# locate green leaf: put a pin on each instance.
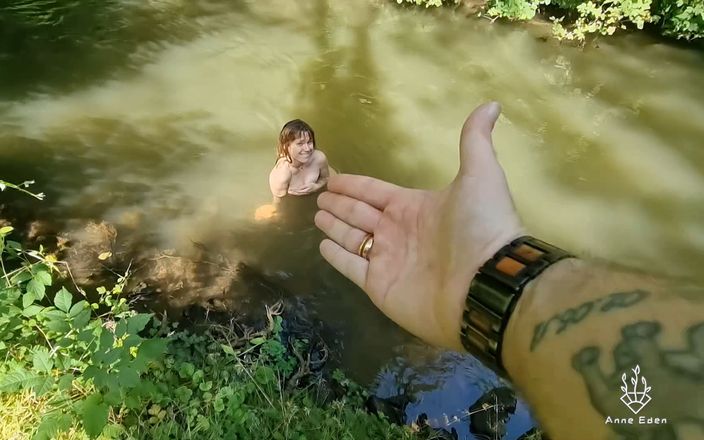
(106, 341)
(136, 323)
(52, 425)
(32, 310)
(43, 385)
(58, 325)
(17, 379)
(65, 382)
(113, 397)
(51, 314)
(186, 370)
(228, 349)
(63, 299)
(21, 277)
(257, 341)
(120, 328)
(81, 320)
(42, 360)
(150, 350)
(94, 414)
(128, 377)
(6, 230)
(43, 277)
(99, 376)
(78, 308)
(36, 288)
(28, 299)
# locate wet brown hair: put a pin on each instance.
(289, 133)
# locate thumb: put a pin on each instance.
(476, 146)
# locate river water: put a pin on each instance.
(161, 118)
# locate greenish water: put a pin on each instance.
(161, 118)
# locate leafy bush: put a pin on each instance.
(86, 365)
(678, 18)
(428, 3)
(88, 355)
(603, 18)
(681, 18)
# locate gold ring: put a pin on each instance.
(366, 246)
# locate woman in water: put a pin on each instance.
(300, 168)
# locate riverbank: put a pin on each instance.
(575, 20)
(77, 367)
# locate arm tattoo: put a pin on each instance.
(561, 321)
(670, 383)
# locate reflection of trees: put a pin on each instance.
(50, 43)
(341, 96)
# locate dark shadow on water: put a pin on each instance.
(61, 45)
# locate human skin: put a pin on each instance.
(306, 173)
(575, 321)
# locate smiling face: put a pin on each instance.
(301, 149)
(296, 142)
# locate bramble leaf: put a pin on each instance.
(128, 377)
(63, 300)
(42, 361)
(136, 323)
(43, 277)
(36, 288)
(94, 414)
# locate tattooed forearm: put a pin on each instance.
(653, 393)
(561, 321)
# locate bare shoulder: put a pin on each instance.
(280, 170)
(320, 157)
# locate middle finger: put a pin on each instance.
(351, 211)
(349, 237)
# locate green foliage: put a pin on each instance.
(111, 372)
(677, 18)
(21, 187)
(681, 18)
(514, 9)
(604, 18)
(90, 362)
(429, 3)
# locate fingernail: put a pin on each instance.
(494, 108)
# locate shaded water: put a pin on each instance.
(161, 117)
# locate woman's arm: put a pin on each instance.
(279, 180)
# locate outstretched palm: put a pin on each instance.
(427, 244)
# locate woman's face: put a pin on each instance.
(301, 149)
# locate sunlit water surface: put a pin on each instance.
(166, 124)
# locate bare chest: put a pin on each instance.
(305, 176)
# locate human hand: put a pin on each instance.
(307, 188)
(302, 190)
(428, 245)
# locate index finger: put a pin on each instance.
(367, 189)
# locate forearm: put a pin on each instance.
(580, 326)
